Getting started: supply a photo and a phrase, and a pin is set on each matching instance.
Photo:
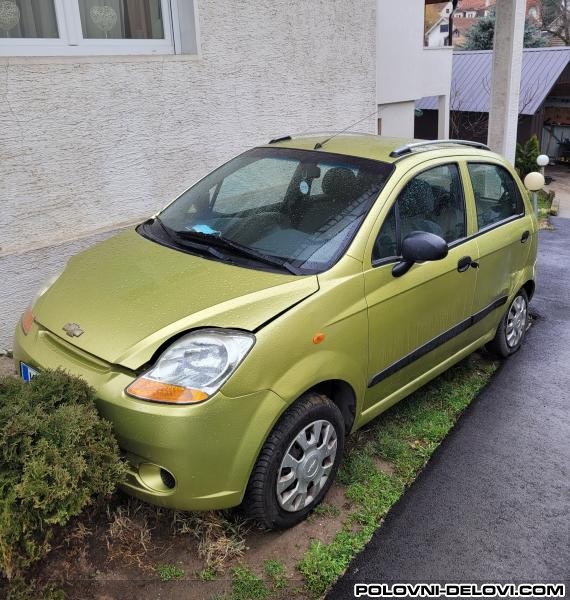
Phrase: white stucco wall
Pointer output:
(398, 119)
(91, 143)
(406, 70)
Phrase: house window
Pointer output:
(444, 28)
(85, 27)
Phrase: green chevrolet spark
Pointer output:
(282, 302)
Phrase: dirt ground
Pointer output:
(91, 559)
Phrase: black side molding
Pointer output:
(436, 342)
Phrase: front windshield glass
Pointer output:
(297, 208)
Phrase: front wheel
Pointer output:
(297, 464)
(512, 328)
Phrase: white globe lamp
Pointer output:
(534, 181)
(543, 160)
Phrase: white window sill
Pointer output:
(98, 58)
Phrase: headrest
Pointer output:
(340, 182)
(416, 199)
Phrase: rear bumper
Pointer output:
(206, 451)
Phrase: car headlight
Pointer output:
(194, 367)
(28, 318)
(45, 287)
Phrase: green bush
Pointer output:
(526, 155)
(56, 455)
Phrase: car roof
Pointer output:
(376, 147)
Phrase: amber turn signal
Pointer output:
(157, 391)
(318, 338)
(27, 320)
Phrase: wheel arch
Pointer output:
(342, 394)
(529, 288)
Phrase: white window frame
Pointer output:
(72, 43)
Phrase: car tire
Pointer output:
(512, 328)
(275, 496)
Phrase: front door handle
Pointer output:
(525, 236)
(464, 263)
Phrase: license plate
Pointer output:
(27, 372)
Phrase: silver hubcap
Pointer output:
(516, 322)
(306, 466)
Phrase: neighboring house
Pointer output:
(438, 34)
(544, 103)
(460, 28)
(473, 9)
(406, 69)
(109, 110)
(468, 12)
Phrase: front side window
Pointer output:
(497, 196)
(83, 27)
(432, 201)
(298, 209)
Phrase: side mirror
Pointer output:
(420, 246)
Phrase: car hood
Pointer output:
(129, 295)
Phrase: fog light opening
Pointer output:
(167, 479)
(156, 478)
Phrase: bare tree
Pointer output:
(555, 19)
(463, 123)
(473, 124)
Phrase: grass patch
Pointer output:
(326, 510)
(168, 572)
(247, 586)
(207, 574)
(405, 436)
(276, 572)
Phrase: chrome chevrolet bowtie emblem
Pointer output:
(72, 329)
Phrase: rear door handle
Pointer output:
(464, 263)
(525, 236)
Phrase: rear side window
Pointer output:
(432, 201)
(497, 196)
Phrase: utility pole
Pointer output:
(506, 78)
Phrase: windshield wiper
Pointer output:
(181, 241)
(237, 248)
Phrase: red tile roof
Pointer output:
(462, 25)
(483, 4)
(473, 4)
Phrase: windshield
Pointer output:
(276, 207)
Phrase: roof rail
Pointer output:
(408, 148)
(284, 138)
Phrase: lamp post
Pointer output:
(541, 160)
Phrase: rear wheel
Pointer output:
(297, 464)
(512, 328)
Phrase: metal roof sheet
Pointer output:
(471, 79)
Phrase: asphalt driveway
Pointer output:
(493, 503)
